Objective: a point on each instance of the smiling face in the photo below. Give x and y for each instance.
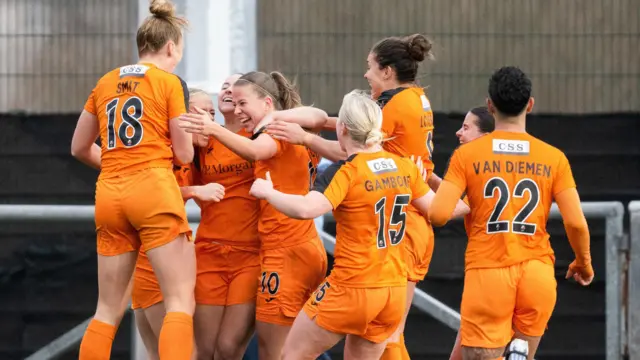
(250, 107)
(375, 76)
(469, 129)
(225, 98)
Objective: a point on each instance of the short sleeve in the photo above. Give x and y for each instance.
(178, 97)
(418, 187)
(455, 171)
(334, 183)
(279, 144)
(563, 177)
(90, 105)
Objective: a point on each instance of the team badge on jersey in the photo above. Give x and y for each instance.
(381, 166)
(133, 70)
(514, 147)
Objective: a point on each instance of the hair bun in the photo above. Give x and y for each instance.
(162, 8)
(419, 47)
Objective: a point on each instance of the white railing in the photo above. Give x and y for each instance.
(616, 262)
(633, 296)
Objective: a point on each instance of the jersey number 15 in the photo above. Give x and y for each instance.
(398, 217)
(130, 131)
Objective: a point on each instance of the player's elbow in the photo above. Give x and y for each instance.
(576, 225)
(79, 151)
(183, 155)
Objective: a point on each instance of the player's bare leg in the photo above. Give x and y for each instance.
(149, 322)
(114, 291)
(456, 353)
(238, 323)
(533, 341)
(307, 340)
(271, 340)
(477, 353)
(400, 353)
(357, 348)
(175, 267)
(206, 324)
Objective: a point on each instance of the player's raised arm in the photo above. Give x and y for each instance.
(449, 192)
(308, 206)
(422, 201)
(307, 117)
(181, 141)
(295, 134)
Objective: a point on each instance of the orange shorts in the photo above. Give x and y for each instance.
(289, 276)
(496, 301)
(144, 207)
(227, 275)
(371, 313)
(146, 289)
(419, 242)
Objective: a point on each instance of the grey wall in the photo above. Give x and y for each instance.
(582, 55)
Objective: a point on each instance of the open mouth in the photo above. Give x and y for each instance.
(245, 120)
(227, 99)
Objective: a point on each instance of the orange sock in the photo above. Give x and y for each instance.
(393, 351)
(403, 349)
(176, 337)
(97, 340)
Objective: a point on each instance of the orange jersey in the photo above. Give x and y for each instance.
(407, 120)
(510, 180)
(184, 174)
(370, 193)
(134, 104)
(290, 173)
(314, 161)
(234, 220)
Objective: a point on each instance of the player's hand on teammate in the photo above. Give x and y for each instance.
(583, 275)
(288, 131)
(421, 168)
(209, 192)
(261, 187)
(199, 122)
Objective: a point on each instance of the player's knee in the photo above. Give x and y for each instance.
(293, 353)
(228, 349)
(181, 302)
(205, 351)
(109, 313)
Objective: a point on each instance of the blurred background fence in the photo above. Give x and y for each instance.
(583, 55)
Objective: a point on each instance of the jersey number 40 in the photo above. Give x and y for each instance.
(398, 218)
(520, 226)
(130, 131)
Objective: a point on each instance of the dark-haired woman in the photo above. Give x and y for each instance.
(408, 123)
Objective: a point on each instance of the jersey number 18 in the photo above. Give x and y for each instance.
(130, 131)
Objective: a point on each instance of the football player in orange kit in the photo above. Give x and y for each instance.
(146, 297)
(134, 109)
(292, 257)
(511, 179)
(363, 297)
(408, 123)
(478, 122)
